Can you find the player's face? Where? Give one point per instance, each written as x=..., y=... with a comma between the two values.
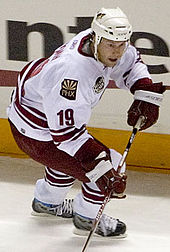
x=110, y=51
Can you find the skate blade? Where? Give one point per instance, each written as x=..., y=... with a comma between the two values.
x=84, y=233
x=50, y=216
x=33, y=213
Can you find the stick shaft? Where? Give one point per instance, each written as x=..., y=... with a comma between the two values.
x=167, y=87
x=124, y=156
x=96, y=221
x=107, y=198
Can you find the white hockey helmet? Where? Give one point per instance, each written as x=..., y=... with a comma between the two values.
x=111, y=24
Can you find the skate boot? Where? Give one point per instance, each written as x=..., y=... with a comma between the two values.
x=64, y=210
x=107, y=227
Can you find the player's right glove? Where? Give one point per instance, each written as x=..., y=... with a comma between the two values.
x=147, y=99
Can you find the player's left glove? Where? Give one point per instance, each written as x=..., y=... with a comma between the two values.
x=95, y=161
x=147, y=99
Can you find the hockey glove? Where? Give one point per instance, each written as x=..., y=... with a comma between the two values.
x=147, y=99
x=106, y=177
x=111, y=180
x=96, y=162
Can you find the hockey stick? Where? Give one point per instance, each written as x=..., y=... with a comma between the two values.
x=107, y=198
x=167, y=87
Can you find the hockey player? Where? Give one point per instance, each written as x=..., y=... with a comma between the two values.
x=52, y=105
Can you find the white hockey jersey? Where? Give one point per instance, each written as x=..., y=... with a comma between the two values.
x=55, y=96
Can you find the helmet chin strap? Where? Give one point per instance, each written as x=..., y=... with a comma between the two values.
x=97, y=40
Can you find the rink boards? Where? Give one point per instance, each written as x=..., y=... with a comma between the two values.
x=27, y=34
x=150, y=150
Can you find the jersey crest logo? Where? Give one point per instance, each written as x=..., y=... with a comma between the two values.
x=69, y=89
x=99, y=85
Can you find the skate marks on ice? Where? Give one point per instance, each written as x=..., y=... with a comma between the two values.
x=145, y=211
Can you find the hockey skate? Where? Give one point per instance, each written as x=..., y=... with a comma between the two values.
x=64, y=210
x=107, y=227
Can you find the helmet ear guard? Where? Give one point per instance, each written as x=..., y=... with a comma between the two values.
x=111, y=24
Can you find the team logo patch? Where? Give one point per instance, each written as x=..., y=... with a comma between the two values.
x=99, y=85
x=69, y=89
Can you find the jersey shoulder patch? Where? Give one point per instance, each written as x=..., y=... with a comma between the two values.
x=69, y=89
x=99, y=85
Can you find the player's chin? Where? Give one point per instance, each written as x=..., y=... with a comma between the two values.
x=111, y=63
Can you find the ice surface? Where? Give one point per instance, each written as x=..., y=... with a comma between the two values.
x=146, y=211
